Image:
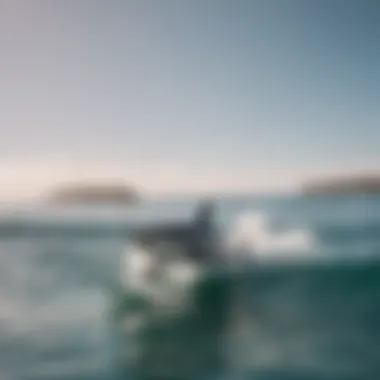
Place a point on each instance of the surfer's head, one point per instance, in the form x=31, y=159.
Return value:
x=205, y=210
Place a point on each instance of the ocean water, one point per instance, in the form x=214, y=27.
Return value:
x=302, y=300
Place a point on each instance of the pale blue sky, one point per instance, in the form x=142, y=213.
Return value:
x=188, y=95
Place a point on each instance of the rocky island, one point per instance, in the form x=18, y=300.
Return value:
x=92, y=194
x=365, y=185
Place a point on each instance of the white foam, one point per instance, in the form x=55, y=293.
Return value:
x=136, y=264
x=160, y=281
x=251, y=234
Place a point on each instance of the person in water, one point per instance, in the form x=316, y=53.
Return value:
x=198, y=239
x=204, y=237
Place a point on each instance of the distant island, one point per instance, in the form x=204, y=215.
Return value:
x=92, y=194
x=369, y=185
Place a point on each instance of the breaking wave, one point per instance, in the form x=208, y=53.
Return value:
x=251, y=234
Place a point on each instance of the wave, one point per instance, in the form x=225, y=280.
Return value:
x=252, y=235
x=315, y=320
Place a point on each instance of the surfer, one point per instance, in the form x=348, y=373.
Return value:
x=197, y=239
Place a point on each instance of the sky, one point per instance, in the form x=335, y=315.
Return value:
x=201, y=95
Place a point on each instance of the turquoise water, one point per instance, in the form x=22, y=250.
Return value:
x=308, y=307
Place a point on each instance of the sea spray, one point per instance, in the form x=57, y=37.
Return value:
x=252, y=236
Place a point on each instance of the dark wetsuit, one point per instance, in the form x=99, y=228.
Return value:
x=196, y=238
x=203, y=242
